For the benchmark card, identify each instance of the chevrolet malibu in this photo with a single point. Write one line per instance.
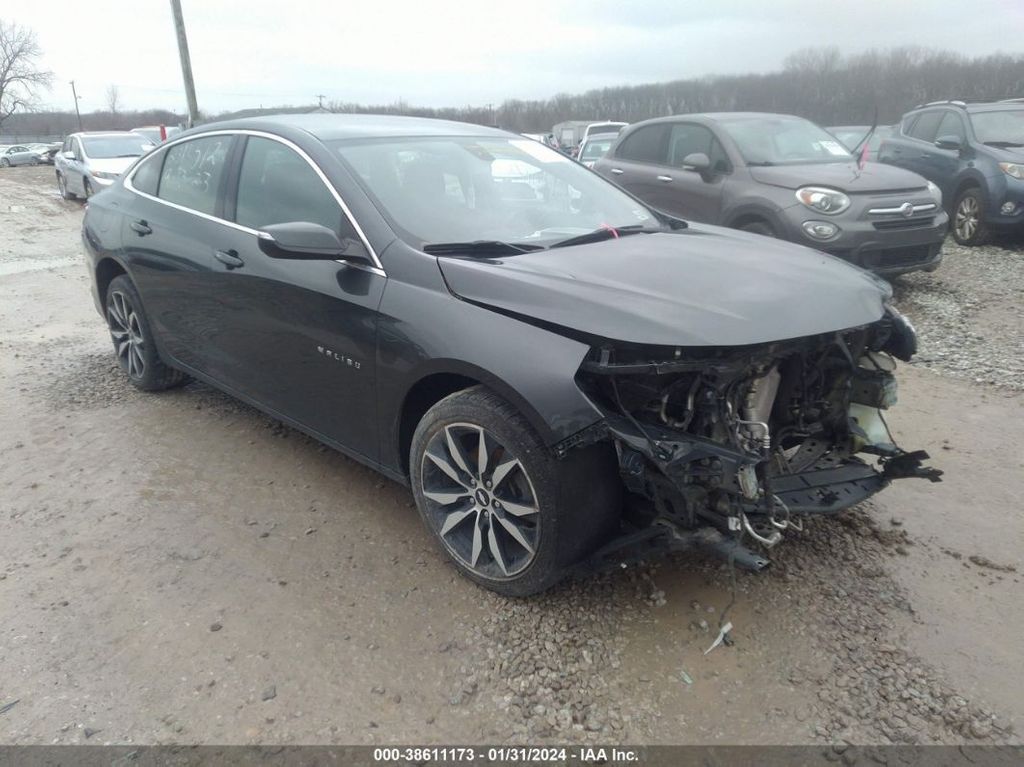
(565, 377)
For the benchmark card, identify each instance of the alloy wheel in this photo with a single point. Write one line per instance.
(480, 501)
(61, 186)
(966, 221)
(126, 333)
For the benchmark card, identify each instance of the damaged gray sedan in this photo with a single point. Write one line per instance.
(566, 378)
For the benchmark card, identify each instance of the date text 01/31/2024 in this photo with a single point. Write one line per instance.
(522, 754)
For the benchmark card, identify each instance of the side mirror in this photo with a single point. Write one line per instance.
(306, 241)
(68, 155)
(948, 142)
(697, 161)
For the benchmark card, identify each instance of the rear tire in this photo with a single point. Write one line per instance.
(758, 227)
(512, 518)
(133, 339)
(968, 225)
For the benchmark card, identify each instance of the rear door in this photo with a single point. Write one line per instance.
(167, 233)
(299, 337)
(636, 162)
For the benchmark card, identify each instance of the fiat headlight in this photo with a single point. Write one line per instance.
(823, 200)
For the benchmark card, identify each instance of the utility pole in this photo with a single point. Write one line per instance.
(320, 100)
(186, 63)
(77, 112)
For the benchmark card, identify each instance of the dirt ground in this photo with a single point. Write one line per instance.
(180, 568)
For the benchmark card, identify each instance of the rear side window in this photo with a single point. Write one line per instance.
(645, 144)
(926, 126)
(147, 175)
(277, 186)
(192, 173)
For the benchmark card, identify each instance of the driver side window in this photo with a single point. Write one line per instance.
(277, 186)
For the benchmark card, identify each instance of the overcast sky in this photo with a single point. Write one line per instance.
(457, 52)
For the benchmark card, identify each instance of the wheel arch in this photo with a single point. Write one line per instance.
(107, 268)
(446, 377)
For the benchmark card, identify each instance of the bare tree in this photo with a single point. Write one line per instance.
(21, 79)
(113, 99)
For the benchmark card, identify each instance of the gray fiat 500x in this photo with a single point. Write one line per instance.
(562, 375)
(784, 177)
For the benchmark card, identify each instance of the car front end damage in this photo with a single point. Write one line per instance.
(724, 446)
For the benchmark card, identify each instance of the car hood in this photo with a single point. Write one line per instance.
(112, 164)
(704, 286)
(844, 176)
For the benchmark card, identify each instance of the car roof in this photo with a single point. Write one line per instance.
(91, 133)
(327, 127)
(984, 106)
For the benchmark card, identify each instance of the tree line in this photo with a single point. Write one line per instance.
(818, 83)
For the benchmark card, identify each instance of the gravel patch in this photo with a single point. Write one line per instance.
(549, 663)
(969, 315)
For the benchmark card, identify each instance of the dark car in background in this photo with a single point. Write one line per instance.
(975, 154)
(559, 376)
(784, 177)
(853, 137)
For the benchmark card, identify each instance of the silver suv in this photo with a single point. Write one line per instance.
(784, 177)
(88, 162)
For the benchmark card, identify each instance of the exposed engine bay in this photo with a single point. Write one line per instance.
(747, 440)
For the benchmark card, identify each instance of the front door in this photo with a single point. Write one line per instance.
(297, 336)
(687, 193)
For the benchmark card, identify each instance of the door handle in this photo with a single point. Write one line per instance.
(229, 258)
(141, 228)
(617, 171)
(666, 179)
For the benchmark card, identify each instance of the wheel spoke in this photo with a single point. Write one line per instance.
(516, 533)
(492, 539)
(140, 364)
(455, 519)
(446, 467)
(478, 544)
(518, 509)
(481, 454)
(455, 449)
(445, 498)
(502, 470)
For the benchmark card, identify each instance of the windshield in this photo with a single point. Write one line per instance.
(596, 149)
(105, 147)
(467, 189)
(1002, 127)
(783, 141)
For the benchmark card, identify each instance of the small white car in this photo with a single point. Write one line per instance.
(89, 162)
(19, 155)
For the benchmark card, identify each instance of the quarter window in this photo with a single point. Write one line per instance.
(277, 186)
(147, 177)
(193, 171)
(645, 144)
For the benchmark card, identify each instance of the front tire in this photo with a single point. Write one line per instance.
(510, 515)
(969, 227)
(133, 339)
(87, 188)
(62, 187)
(758, 227)
(4, 162)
